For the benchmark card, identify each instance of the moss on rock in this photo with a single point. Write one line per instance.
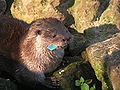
(74, 71)
(34, 9)
(104, 58)
(97, 64)
(111, 14)
(83, 12)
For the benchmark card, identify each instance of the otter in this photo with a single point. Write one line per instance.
(23, 48)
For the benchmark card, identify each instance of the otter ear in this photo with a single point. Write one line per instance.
(38, 32)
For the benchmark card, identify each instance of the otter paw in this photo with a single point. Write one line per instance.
(53, 82)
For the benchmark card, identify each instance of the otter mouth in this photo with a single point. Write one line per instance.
(58, 51)
(62, 47)
(53, 47)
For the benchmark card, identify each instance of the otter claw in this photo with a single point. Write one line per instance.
(53, 82)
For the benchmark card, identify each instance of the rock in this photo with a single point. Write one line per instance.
(3, 6)
(32, 10)
(77, 45)
(78, 14)
(111, 14)
(6, 84)
(74, 71)
(113, 66)
(100, 33)
(105, 59)
(83, 12)
(63, 8)
(9, 3)
(93, 13)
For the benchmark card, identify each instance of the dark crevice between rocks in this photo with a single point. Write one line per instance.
(79, 44)
(7, 11)
(119, 8)
(9, 3)
(62, 8)
(106, 74)
(2, 6)
(112, 74)
(91, 35)
(102, 7)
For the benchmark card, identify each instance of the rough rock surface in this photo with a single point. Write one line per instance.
(74, 71)
(100, 33)
(92, 13)
(29, 10)
(83, 12)
(105, 59)
(79, 14)
(77, 45)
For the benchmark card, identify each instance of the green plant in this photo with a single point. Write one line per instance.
(84, 84)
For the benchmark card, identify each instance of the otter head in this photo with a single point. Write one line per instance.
(50, 31)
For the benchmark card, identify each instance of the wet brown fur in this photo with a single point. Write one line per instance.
(25, 46)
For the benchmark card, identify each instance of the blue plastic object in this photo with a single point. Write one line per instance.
(52, 47)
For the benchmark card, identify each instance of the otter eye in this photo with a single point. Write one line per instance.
(54, 36)
(38, 32)
(66, 31)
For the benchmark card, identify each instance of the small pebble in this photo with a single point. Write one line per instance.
(61, 71)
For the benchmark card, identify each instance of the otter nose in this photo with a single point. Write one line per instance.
(71, 37)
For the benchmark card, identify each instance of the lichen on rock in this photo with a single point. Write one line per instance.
(74, 71)
(111, 14)
(34, 9)
(92, 13)
(83, 13)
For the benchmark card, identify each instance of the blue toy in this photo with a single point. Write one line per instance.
(52, 47)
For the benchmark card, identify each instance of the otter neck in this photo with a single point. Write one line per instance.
(36, 57)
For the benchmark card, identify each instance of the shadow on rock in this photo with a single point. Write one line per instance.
(64, 5)
(100, 33)
(112, 66)
(6, 10)
(102, 7)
